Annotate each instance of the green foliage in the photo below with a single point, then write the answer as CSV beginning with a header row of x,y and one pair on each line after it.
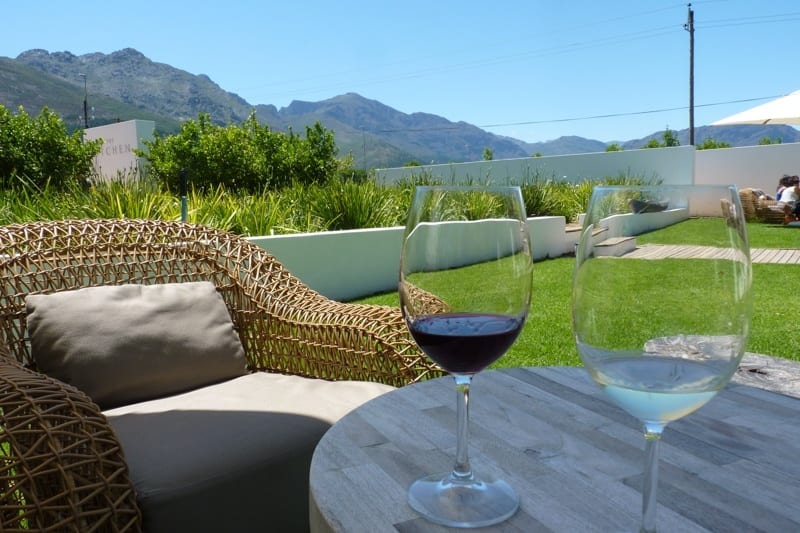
x,y
709,144
38,151
563,198
345,204
614,147
542,197
668,138
653,143
341,203
133,199
769,140
246,158
488,154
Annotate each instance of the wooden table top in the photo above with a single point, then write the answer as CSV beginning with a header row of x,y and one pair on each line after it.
x,y
575,459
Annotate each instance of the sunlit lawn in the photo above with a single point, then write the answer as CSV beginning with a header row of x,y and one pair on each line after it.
x,y
547,336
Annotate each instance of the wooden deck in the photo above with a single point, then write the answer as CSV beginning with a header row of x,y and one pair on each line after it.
x,y
757,255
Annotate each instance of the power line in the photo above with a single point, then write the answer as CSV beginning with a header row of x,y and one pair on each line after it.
x,y
497,60
763,19
576,119
538,53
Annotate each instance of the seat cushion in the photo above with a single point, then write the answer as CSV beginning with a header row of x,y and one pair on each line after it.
x,y
233,456
129,343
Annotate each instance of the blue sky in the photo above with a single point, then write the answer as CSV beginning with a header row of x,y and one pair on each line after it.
x,y
528,69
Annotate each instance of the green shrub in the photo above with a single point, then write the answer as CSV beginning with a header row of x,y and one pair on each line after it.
x,y
39,151
339,204
345,204
248,158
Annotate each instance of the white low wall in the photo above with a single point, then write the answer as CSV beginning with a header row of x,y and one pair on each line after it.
x,y
672,165
750,166
758,167
629,224
344,265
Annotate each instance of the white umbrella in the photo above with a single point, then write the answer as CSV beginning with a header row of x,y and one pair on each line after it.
x,y
783,110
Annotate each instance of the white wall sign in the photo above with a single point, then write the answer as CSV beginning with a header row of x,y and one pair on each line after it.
x,y
117,159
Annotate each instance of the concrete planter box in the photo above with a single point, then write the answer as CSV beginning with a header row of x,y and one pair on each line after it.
x,y
344,265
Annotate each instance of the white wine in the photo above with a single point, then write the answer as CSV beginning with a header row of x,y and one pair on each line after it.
x,y
658,389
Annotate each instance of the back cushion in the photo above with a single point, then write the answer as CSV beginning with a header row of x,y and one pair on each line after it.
x,y
129,343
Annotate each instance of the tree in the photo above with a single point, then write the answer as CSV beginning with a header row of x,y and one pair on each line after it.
x,y
488,154
40,152
248,157
669,138
769,140
709,144
653,143
614,147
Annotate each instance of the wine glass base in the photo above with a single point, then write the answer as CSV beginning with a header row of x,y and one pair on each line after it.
x,y
472,503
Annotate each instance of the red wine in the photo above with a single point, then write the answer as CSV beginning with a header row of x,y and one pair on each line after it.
x,y
465,343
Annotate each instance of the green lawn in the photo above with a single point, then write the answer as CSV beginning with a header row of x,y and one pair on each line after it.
x,y
547,336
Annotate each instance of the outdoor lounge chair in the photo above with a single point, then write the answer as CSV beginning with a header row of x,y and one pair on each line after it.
x,y
758,208
229,455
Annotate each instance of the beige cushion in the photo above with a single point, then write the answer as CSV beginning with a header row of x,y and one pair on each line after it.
x,y
234,456
128,343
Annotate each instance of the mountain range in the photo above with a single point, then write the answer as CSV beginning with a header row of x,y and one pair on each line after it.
x,y
127,85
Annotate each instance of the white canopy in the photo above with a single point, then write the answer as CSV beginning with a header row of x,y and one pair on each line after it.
x,y
783,110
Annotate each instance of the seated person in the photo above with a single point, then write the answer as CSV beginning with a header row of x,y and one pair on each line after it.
x,y
785,181
790,197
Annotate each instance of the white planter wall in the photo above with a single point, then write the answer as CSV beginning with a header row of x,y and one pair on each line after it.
x,y
629,224
344,265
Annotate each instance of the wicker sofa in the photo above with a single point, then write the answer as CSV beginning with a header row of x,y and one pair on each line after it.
x,y
67,464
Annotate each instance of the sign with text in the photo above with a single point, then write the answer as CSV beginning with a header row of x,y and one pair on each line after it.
x,y
117,159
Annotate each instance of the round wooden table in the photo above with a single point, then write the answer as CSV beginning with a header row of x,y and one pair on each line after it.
x,y
575,458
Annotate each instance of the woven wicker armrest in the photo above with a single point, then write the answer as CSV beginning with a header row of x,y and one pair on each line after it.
x,y
61,466
302,332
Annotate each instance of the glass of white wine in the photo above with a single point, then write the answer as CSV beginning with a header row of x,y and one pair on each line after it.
x,y
661,303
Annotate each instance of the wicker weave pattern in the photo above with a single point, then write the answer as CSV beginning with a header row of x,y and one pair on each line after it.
x,y
61,467
61,464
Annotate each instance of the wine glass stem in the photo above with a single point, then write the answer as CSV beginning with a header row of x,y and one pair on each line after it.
x,y
652,439
462,470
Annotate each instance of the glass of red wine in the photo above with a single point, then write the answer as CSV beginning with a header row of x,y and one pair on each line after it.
x,y
465,289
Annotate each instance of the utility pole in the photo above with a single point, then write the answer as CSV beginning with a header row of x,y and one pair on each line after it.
x,y
364,147
689,26
85,104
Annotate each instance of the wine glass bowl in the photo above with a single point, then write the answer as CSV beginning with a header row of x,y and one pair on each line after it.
x,y
661,302
465,285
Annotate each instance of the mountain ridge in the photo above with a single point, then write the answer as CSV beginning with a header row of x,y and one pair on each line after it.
x,y
126,84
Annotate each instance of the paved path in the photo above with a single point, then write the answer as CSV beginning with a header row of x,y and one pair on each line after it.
x,y
757,255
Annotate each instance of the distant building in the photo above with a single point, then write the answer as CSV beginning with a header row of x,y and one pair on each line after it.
x,y
117,159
